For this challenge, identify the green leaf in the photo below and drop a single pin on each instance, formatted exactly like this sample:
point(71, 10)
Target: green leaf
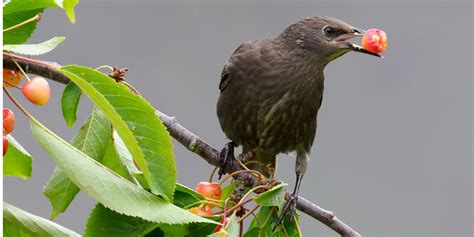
point(11, 231)
point(112, 161)
point(227, 190)
point(264, 221)
point(68, 6)
point(272, 197)
point(124, 155)
point(91, 139)
point(69, 103)
point(137, 124)
point(185, 196)
point(27, 224)
point(105, 186)
point(231, 229)
point(19, 6)
point(17, 161)
point(105, 222)
point(35, 49)
point(18, 11)
point(261, 225)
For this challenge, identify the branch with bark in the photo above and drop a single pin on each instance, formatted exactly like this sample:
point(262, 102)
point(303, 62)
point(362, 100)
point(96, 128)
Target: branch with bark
point(191, 141)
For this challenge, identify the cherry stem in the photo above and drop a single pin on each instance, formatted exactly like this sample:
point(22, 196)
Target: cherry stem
point(241, 229)
point(211, 176)
point(203, 202)
point(36, 18)
point(248, 213)
point(11, 84)
point(252, 190)
point(242, 164)
point(224, 214)
point(241, 203)
point(21, 69)
point(17, 104)
point(238, 172)
point(131, 88)
point(104, 66)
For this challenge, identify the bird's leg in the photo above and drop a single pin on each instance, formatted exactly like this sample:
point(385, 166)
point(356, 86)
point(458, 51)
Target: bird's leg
point(226, 157)
point(290, 206)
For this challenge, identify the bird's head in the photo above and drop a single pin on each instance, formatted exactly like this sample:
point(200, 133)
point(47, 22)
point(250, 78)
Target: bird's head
point(325, 38)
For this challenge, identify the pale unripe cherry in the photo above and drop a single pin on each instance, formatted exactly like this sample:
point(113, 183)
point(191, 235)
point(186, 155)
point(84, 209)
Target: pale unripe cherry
point(37, 91)
point(12, 77)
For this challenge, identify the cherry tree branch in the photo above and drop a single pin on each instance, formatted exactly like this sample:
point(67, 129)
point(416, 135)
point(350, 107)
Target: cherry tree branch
point(191, 141)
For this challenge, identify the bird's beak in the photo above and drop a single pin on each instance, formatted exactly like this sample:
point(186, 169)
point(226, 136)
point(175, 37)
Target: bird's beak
point(343, 39)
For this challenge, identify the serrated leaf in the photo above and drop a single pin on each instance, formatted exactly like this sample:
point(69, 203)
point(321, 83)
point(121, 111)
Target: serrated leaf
point(92, 139)
point(27, 224)
point(69, 103)
point(105, 186)
point(68, 6)
point(18, 11)
point(231, 229)
point(105, 222)
point(137, 124)
point(35, 49)
point(17, 161)
point(15, 6)
point(272, 197)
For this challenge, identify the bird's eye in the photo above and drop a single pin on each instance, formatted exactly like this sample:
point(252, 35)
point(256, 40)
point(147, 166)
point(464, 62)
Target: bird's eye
point(328, 31)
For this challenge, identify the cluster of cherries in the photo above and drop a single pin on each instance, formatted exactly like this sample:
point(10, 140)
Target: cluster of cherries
point(210, 191)
point(36, 90)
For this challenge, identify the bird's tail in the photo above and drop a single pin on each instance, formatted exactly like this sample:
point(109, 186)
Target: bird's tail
point(263, 162)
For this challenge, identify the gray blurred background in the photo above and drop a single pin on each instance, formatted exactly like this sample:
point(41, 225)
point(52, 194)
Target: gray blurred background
point(393, 150)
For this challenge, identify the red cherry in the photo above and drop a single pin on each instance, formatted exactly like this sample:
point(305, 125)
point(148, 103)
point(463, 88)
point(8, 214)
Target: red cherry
point(37, 91)
point(200, 212)
point(12, 77)
point(209, 190)
point(8, 121)
point(374, 40)
point(223, 223)
point(5, 145)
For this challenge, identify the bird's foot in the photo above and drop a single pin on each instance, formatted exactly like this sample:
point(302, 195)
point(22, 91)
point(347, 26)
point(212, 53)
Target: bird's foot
point(226, 157)
point(290, 208)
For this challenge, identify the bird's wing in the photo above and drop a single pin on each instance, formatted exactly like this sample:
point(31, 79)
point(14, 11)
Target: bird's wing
point(225, 78)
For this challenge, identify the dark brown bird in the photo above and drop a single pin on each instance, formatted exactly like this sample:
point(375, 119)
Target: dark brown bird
point(271, 90)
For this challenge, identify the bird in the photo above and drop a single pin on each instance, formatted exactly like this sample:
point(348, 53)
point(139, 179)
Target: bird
point(271, 90)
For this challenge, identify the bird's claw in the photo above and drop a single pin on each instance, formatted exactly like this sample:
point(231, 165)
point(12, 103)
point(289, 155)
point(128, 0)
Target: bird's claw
point(226, 156)
point(290, 208)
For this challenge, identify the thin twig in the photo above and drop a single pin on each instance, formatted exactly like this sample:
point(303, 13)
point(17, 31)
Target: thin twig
point(193, 143)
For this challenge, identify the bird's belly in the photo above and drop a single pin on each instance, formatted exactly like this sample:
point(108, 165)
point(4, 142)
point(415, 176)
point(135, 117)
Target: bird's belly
point(237, 113)
point(288, 125)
